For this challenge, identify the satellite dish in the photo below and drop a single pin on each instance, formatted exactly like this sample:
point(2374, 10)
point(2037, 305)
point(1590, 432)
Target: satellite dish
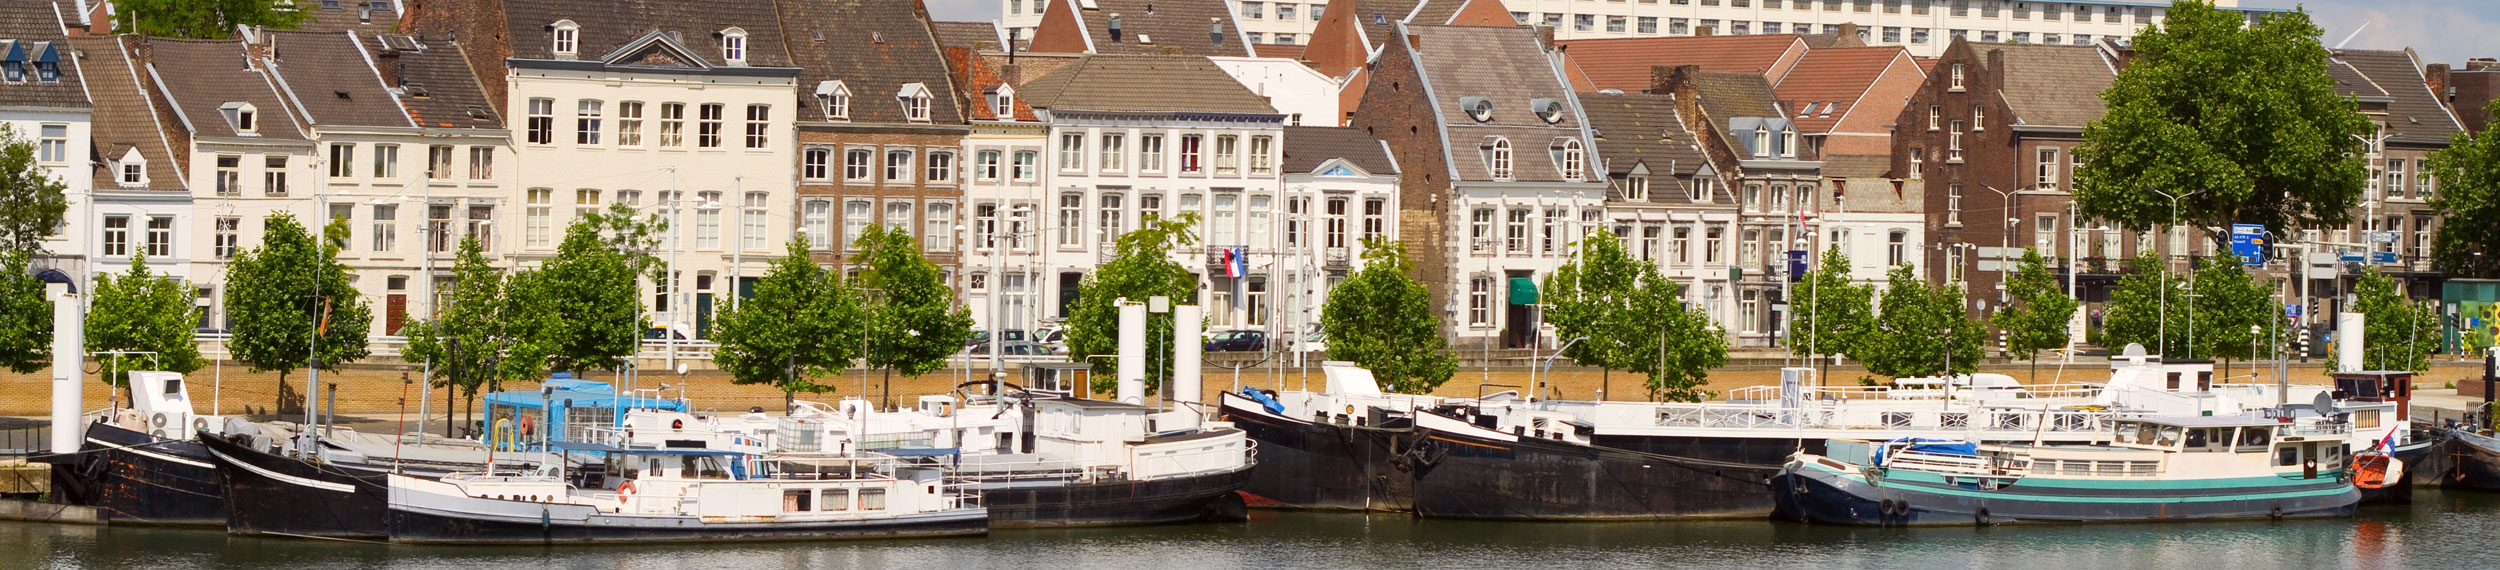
point(2324, 404)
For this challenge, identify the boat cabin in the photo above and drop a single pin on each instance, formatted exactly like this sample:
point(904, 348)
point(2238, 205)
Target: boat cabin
point(514, 419)
point(2304, 448)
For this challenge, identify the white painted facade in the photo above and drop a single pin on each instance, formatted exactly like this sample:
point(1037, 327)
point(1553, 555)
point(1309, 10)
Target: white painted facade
point(1513, 230)
point(1306, 97)
point(403, 202)
point(260, 179)
point(1000, 276)
point(1327, 213)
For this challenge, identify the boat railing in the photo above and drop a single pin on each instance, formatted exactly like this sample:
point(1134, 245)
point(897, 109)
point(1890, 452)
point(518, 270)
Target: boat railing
point(1204, 459)
point(2319, 428)
point(1827, 393)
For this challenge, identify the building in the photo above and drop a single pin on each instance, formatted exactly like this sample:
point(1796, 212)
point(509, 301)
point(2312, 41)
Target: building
point(1628, 64)
point(880, 129)
point(43, 101)
point(1666, 195)
point(1845, 102)
point(1758, 151)
point(2395, 217)
point(1135, 27)
point(1340, 188)
point(1496, 173)
point(1303, 94)
point(2467, 92)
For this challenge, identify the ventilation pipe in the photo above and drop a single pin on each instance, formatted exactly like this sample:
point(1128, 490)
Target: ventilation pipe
point(2348, 342)
point(1187, 370)
point(1132, 353)
point(69, 391)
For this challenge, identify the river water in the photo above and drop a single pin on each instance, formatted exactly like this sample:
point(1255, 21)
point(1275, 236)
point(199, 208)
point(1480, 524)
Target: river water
point(2440, 530)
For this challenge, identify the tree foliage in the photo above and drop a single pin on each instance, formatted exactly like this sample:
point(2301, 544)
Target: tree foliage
point(2468, 171)
point(291, 298)
point(1632, 319)
point(2397, 333)
point(31, 200)
point(1920, 329)
point(1382, 319)
point(1834, 314)
point(1689, 346)
point(2228, 301)
point(202, 19)
point(803, 323)
point(487, 329)
point(634, 235)
point(588, 295)
point(2245, 115)
point(916, 322)
point(2037, 319)
point(143, 311)
point(2134, 313)
point(1140, 269)
point(25, 317)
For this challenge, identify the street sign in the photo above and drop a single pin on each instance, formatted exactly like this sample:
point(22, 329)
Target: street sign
point(2322, 273)
point(2353, 257)
point(2291, 309)
point(2383, 237)
point(2249, 242)
point(2382, 257)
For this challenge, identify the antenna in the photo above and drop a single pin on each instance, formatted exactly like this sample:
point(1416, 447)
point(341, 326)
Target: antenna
point(2356, 32)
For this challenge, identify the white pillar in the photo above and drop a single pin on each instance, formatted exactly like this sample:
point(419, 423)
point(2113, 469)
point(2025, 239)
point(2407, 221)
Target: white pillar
point(69, 389)
point(2348, 342)
point(1132, 353)
point(1186, 369)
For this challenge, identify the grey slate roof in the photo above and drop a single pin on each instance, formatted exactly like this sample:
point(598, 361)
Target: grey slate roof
point(33, 23)
point(1179, 24)
point(1306, 148)
point(608, 25)
point(1142, 83)
point(966, 34)
point(1509, 67)
point(199, 76)
point(438, 87)
point(347, 17)
point(1643, 129)
point(874, 47)
point(1728, 95)
point(2053, 85)
point(328, 74)
point(1380, 18)
point(2414, 114)
point(124, 117)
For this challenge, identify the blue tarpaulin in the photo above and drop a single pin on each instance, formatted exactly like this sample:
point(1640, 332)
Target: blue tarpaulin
point(1927, 445)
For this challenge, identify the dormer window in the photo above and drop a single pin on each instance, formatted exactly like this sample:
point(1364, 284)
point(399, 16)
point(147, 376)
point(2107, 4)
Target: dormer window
point(915, 100)
point(1478, 108)
point(1551, 110)
point(733, 46)
point(243, 117)
point(1497, 158)
point(568, 39)
point(834, 99)
point(1761, 143)
point(1788, 144)
point(47, 71)
point(1003, 103)
point(14, 71)
point(1957, 77)
point(1574, 160)
point(132, 169)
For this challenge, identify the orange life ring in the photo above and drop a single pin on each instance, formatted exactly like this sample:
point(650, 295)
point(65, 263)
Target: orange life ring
point(526, 425)
point(625, 492)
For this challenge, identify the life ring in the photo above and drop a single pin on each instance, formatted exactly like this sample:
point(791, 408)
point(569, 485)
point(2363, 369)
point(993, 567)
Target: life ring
point(677, 424)
point(527, 425)
point(625, 492)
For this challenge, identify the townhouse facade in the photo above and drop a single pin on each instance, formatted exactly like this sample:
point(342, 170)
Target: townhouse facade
point(2395, 217)
point(1757, 151)
point(1666, 196)
point(880, 130)
point(43, 101)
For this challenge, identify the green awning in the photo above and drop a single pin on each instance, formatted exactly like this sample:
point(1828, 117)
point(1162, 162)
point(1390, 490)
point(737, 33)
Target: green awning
point(1522, 291)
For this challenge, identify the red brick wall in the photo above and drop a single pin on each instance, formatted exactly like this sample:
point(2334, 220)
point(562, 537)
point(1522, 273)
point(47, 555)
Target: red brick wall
point(1395, 109)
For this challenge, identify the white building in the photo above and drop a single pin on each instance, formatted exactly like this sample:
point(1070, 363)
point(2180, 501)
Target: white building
point(1304, 95)
point(43, 101)
point(1340, 187)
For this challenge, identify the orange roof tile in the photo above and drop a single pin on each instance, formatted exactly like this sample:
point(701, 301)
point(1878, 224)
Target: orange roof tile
point(1624, 63)
point(1826, 83)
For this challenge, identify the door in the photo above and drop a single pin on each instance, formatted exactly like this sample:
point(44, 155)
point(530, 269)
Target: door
point(1068, 283)
point(703, 315)
point(395, 313)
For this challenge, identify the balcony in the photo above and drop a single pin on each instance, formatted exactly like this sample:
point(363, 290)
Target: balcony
point(1336, 258)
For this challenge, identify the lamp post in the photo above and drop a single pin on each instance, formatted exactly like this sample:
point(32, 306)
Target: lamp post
point(2162, 326)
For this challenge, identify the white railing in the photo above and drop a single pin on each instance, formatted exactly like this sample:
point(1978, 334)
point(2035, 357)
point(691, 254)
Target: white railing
point(2031, 392)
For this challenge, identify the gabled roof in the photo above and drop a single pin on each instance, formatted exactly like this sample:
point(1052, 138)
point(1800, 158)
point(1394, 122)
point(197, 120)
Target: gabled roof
point(1625, 63)
point(378, 17)
point(1337, 44)
point(1146, 27)
point(975, 79)
point(608, 25)
point(875, 48)
point(35, 28)
point(1307, 148)
point(1143, 83)
point(1829, 83)
point(125, 116)
point(329, 78)
point(2052, 85)
point(2414, 113)
point(966, 34)
point(1508, 67)
point(435, 82)
point(1280, 51)
point(202, 76)
point(1643, 130)
point(1729, 96)
point(1379, 18)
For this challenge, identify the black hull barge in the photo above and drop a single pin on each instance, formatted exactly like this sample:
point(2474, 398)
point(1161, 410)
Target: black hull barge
point(137, 478)
point(1193, 498)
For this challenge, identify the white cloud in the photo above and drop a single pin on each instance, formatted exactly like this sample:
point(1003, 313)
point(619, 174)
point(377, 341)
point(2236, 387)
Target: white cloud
point(963, 10)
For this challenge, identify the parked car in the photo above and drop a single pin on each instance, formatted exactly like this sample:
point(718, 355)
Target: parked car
point(1013, 348)
point(979, 336)
point(1314, 341)
point(1237, 341)
point(1056, 339)
point(666, 332)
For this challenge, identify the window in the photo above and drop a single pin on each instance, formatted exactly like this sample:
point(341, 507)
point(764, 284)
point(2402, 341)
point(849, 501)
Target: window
point(940, 168)
point(342, 160)
point(915, 103)
point(481, 162)
point(1515, 231)
point(1114, 147)
point(1480, 232)
point(1285, 11)
point(567, 39)
point(1026, 161)
point(2048, 168)
point(1149, 206)
point(898, 165)
point(985, 225)
point(586, 123)
point(1710, 246)
point(438, 162)
point(1227, 154)
point(1953, 144)
point(1336, 224)
point(2422, 178)
point(733, 46)
point(1072, 151)
point(1295, 208)
point(835, 98)
point(1896, 247)
point(55, 144)
point(1636, 188)
point(759, 126)
point(385, 161)
point(1702, 189)
point(817, 219)
point(1261, 208)
point(940, 235)
point(1190, 153)
point(2044, 235)
point(134, 171)
point(1615, 24)
point(707, 129)
point(815, 163)
point(1649, 242)
point(751, 230)
point(898, 215)
point(542, 122)
point(246, 119)
point(229, 237)
point(1003, 104)
point(1682, 244)
point(1223, 228)
point(1574, 160)
point(1918, 163)
point(438, 228)
point(1071, 219)
point(1957, 76)
point(1953, 204)
point(229, 175)
point(1150, 153)
point(1551, 230)
point(1480, 301)
point(1779, 197)
point(1112, 218)
point(1499, 160)
point(2395, 178)
point(1260, 160)
point(1675, 26)
point(1752, 310)
point(855, 220)
point(1647, 25)
point(855, 165)
point(534, 226)
point(385, 227)
point(1978, 118)
point(116, 236)
point(160, 236)
point(629, 123)
point(1375, 218)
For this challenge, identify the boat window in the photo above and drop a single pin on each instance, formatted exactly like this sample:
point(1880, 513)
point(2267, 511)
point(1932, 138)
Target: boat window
point(2254, 435)
point(837, 500)
point(2196, 438)
point(872, 499)
point(797, 501)
point(2286, 456)
point(2169, 436)
point(2334, 455)
point(2145, 433)
point(2125, 433)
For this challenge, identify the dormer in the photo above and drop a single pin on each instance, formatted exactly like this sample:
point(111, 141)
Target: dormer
point(733, 46)
point(567, 38)
point(1478, 108)
point(1215, 31)
point(914, 98)
point(1570, 158)
point(13, 61)
point(243, 117)
point(1003, 102)
point(1497, 158)
point(834, 99)
point(131, 170)
point(1548, 109)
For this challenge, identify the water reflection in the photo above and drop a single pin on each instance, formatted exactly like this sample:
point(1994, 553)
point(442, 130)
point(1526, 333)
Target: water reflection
point(2438, 531)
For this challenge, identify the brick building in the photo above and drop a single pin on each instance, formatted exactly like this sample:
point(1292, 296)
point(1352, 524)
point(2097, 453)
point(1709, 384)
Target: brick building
point(880, 127)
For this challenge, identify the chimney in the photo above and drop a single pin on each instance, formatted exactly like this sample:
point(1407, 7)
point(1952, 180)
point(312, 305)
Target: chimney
point(1011, 74)
point(1996, 62)
point(2481, 64)
point(1545, 37)
point(1849, 31)
point(1414, 42)
point(2436, 75)
point(1702, 31)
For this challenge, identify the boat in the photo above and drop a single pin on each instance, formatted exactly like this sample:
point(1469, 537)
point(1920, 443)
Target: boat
point(142, 465)
point(2176, 468)
point(642, 495)
point(2474, 461)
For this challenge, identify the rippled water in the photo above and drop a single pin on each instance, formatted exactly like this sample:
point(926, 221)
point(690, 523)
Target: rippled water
point(2440, 530)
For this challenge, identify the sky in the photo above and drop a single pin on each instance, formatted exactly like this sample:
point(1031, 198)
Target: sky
point(2440, 31)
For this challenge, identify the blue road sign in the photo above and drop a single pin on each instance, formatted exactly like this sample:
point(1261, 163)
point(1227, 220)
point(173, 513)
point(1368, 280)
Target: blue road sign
point(2352, 257)
point(2249, 242)
point(2291, 309)
point(2382, 257)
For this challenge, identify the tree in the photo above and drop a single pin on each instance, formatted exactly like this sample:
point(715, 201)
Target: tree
point(916, 322)
point(588, 295)
point(1623, 308)
point(31, 200)
point(2228, 302)
point(2397, 333)
point(486, 330)
point(1139, 270)
point(1382, 319)
point(202, 19)
point(1835, 315)
point(1689, 346)
point(635, 235)
point(25, 317)
point(2242, 115)
point(2136, 306)
point(2040, 313)
point(143, 311)
point(289, 299)
point(1922, 328)
point(2468, 171)
point(802, 323)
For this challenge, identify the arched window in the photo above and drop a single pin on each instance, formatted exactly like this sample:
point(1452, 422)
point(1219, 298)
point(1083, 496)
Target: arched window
point(1498, 160)
point(568, 38)
point(733, 46)
point(1574, 160)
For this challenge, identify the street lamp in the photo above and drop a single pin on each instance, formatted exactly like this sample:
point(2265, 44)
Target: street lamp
point(2162, 328)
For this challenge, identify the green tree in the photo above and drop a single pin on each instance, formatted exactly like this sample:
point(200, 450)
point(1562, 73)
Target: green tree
point(2397, 333)
point(143, 311)
point(589, 296)
point(484, 331)
point(31, 200)
point(2468, 171)
point(2134, 313)
point(1921, 328)
point(2228, 302)
point(1139, 270)
point(1623, 309)
point(916, 322)
point(202, 19)
point(2241, 114)
point(2038, 317)
point(1689, 346)
point(1835, 315)
point(1382, 319)
point(25, 317)
point(637, 236)
point(289, 299)
point(802, 323)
